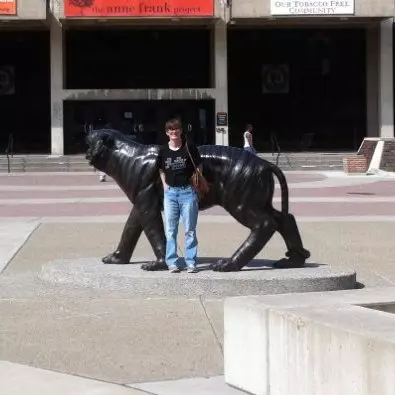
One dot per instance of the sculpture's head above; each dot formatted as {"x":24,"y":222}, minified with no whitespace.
{"x":101,"y":146}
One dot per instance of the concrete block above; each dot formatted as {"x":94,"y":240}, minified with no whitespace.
{"x":306,"y":344}
{"x":246,"y":347}
{"x":340,"y":349}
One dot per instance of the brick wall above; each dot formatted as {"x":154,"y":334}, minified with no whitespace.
{"x":355,"y":164}
{"x":367,"y":149}
{"x":388,"y":157}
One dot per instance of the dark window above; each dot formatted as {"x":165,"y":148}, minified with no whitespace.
{"x":138,"y":59}
{"x":316,"y":87}
{"x":25,"y":91}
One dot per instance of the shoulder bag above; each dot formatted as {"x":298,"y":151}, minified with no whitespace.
{"x":198,"y":181}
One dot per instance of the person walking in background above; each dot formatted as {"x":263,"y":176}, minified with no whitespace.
{"x":100,"y":123}
{"x":248,"y":144}
{"x":102,"y":176}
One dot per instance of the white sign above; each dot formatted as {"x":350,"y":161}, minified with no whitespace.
{"x":312,"y":7}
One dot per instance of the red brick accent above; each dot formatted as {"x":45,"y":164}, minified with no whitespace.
{"x":367,"y":149}
{"x":388,"y":157}
{"x":355,"y":164}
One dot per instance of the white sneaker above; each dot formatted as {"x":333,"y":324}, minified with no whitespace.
{"x":192,"y":270}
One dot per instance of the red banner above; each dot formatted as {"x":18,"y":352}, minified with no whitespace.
{"x":138,"y":8}
{"x":7,"y":7}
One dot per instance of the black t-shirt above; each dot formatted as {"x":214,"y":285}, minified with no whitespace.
{"x":177,"y":165}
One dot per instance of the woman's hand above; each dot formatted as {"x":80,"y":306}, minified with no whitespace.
{"x":162,"y":177}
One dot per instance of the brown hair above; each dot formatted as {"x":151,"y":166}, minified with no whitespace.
{"x":249,"y":127}
{"x":172,"y":124}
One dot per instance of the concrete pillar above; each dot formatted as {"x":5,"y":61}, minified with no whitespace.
{"x":221,"y":79}
{"x":386,"y":88}
{"x":372,"y":81}
{"x":57,"y":146}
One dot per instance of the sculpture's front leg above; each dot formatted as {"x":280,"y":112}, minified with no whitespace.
{"x":130,"y":236}
{"x":154,"y":230}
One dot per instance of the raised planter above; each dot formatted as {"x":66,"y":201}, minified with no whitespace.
{"x":355,"y":164}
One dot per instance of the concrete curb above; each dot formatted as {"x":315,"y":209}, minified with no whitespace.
{"x":19,"y":379}
{"x":12,"y":239}
{"x":260,"y":279}
{"x":192,"y":386}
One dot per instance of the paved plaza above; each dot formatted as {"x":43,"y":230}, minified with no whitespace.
{"x":158,"y":345}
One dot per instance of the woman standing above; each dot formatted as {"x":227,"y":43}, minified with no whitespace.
{"x":180,"y":199}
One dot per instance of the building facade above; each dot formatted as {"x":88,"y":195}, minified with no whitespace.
{"x":312,"y":74}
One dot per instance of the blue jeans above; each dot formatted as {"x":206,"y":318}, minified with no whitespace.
{"x":250,"y":149}
{"x":181,"y":201}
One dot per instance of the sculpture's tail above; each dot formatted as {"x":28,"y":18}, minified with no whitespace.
{"x":284,"y":188}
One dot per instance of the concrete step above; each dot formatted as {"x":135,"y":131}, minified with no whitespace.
{"x":305,"y":161}
{"x":68,"y":163}
{"x":13,"y":169}
{"x":308,"y":162}
{"x":48,"y":162}
{"x":56,"y":165}
{"x":65,"y":169}
{"x":5,"y":161}
{"x":306,"y":158}
{"x":322,"y":168}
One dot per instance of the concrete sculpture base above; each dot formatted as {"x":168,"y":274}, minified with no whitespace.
{"x":257,"y":279}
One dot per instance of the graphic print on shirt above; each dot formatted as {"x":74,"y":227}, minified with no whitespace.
{"x":177,"y":164}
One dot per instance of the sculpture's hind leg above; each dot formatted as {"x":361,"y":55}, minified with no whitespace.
{"x":296,"y":254}
{"x":130,"y":236}
{"x":256,"y":240}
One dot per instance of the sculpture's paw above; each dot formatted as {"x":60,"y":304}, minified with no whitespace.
{"x":154,"y":266}
{"x":287,"y":263}
{"x":224,"y":265}
{"x":298,"y":255}
{"x":114,"y":259}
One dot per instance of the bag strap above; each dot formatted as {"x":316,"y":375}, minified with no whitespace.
{"x":190,"y":156}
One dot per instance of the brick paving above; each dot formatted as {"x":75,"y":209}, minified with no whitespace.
{"x":360,"y":198}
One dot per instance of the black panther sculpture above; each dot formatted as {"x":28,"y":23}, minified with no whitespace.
{"x":242,"y":183}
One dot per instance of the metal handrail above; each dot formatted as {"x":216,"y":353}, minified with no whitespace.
{"x":276,"y":147}
{"x":10,"y":151}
